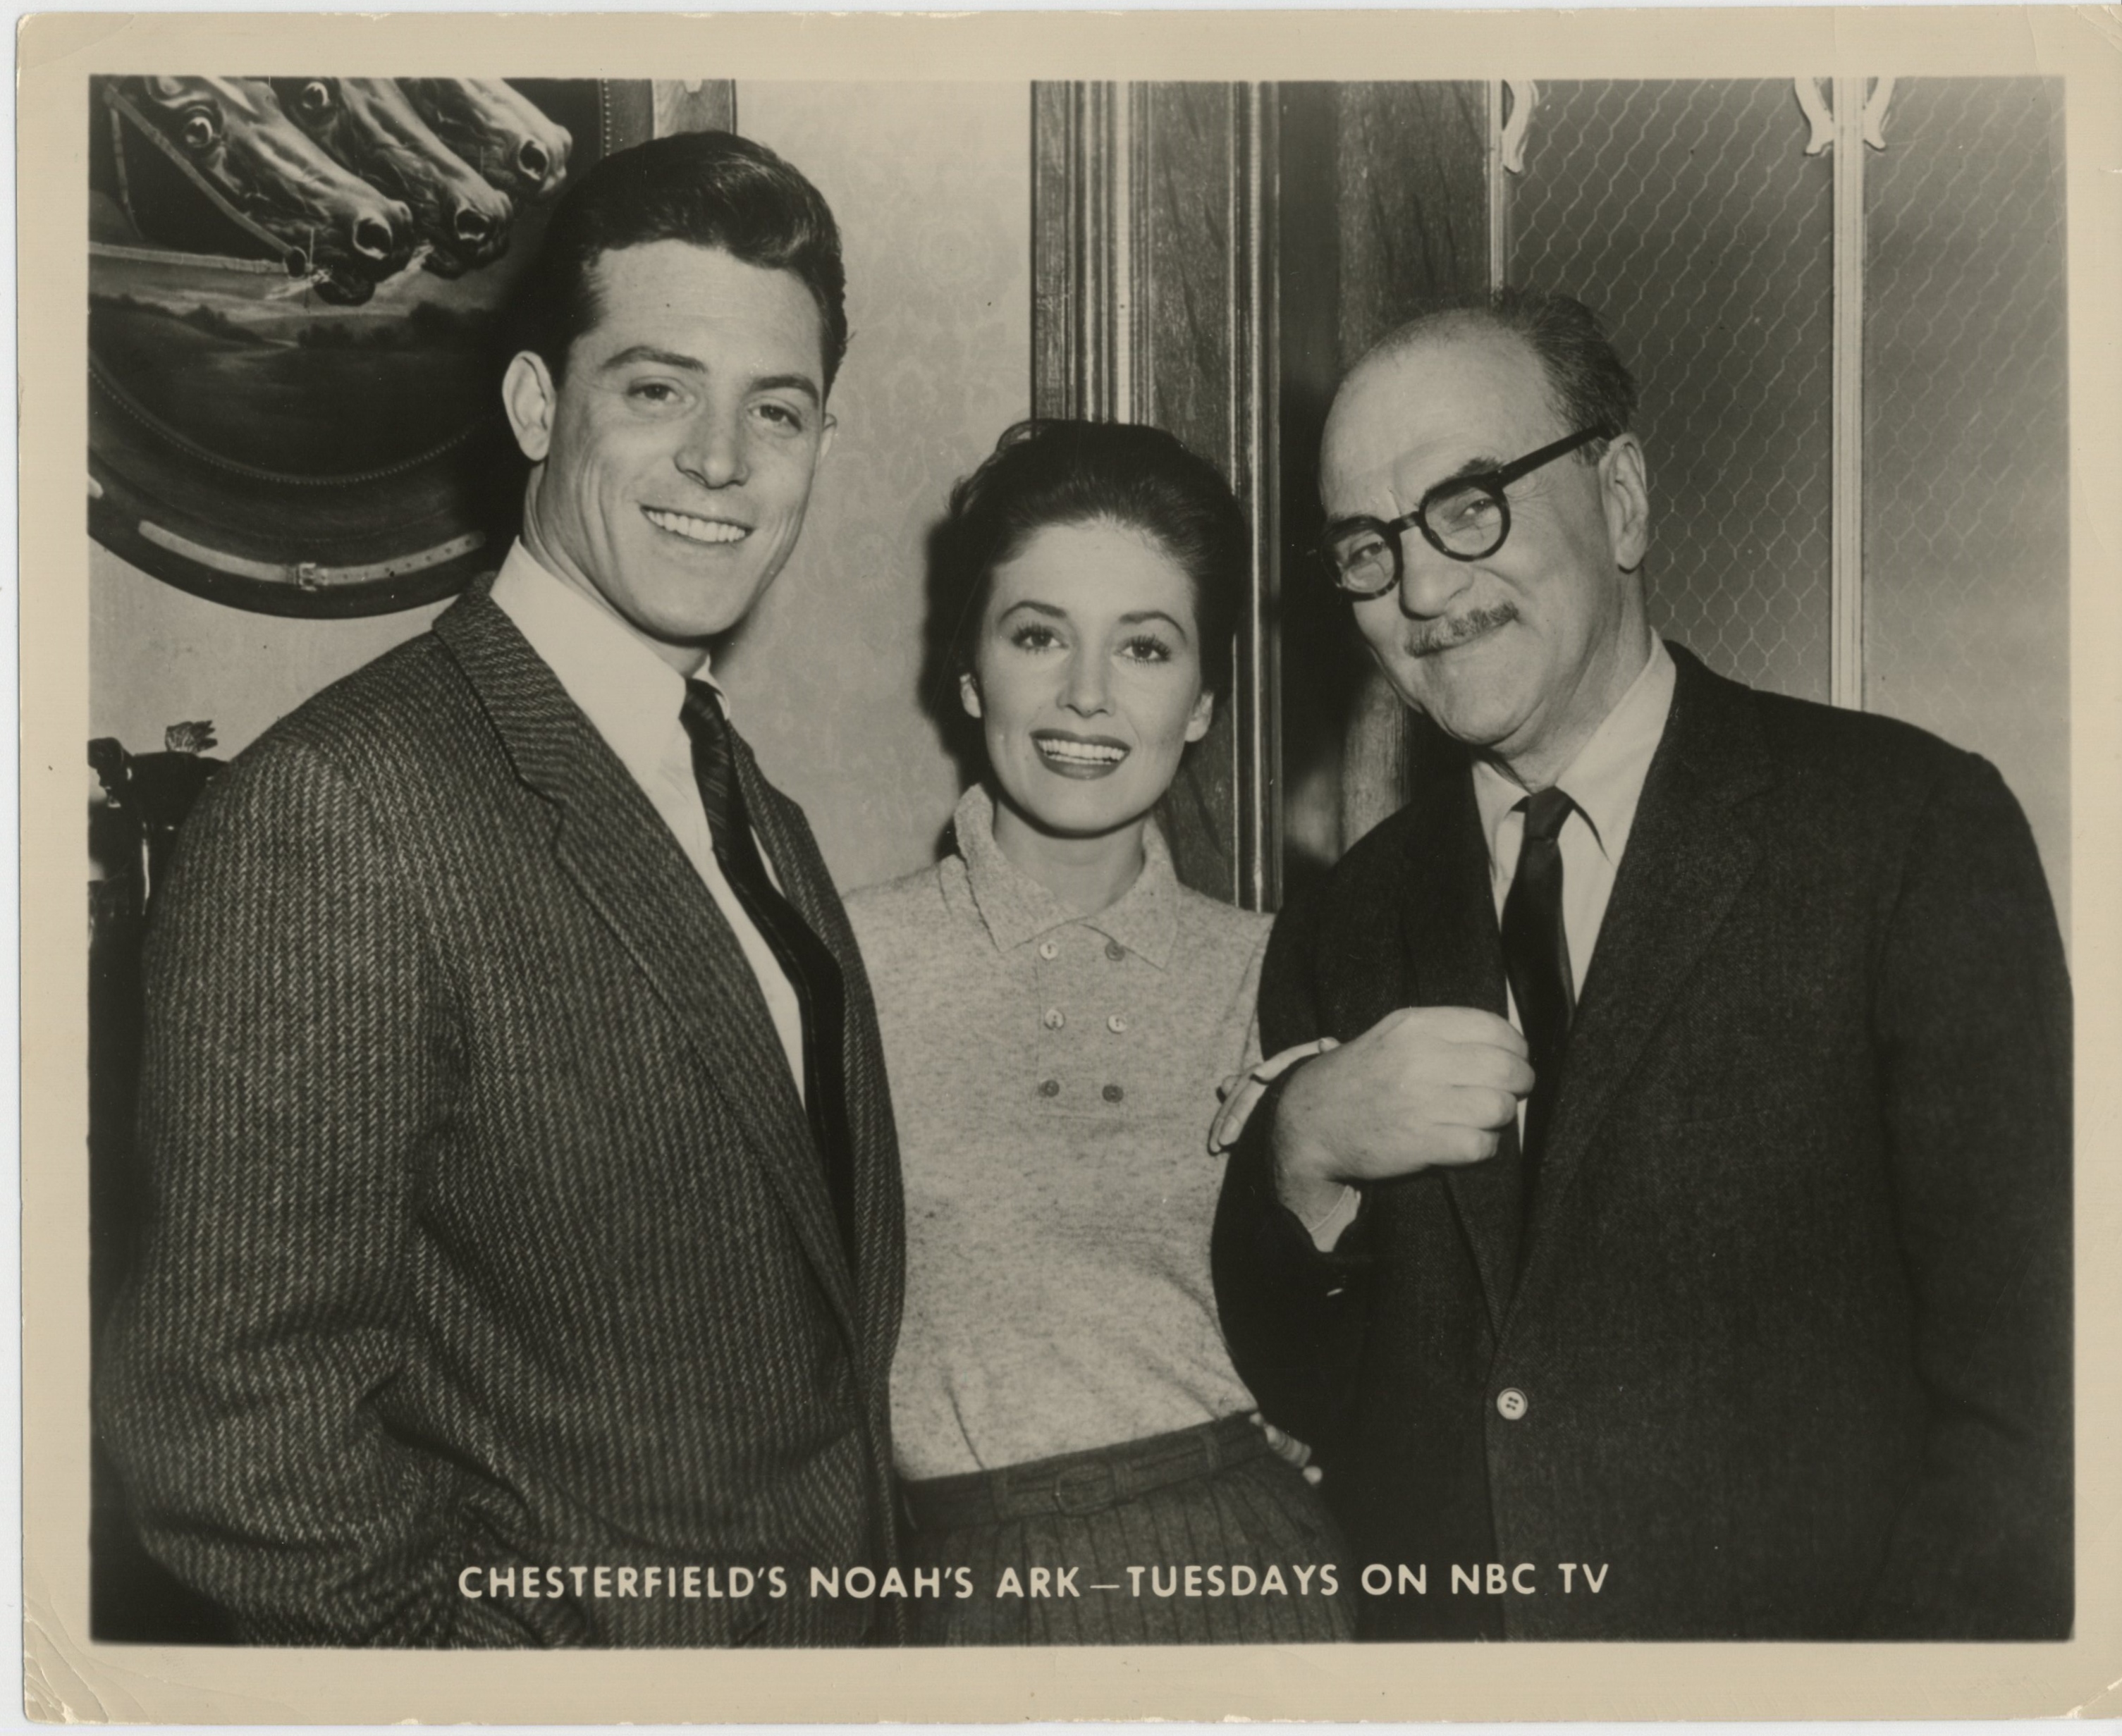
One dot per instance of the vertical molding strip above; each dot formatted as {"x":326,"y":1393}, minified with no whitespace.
{"x":1053,"y":246}
{"x":1499,"y":194}
{"x":1846,"y":572}
{"x":1507,"y":150}
{"x":1089,"y":258}
{"x":1094,"y":250}
{"x":1255,"y":469}
{"x":1126,"y":201}
{"x":1098,"y":304}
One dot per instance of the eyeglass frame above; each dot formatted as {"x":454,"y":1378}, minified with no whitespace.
{"x":1490,"y":482}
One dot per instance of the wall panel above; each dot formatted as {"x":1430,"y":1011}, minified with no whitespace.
{"x":931,"y":184}
{"x":1151,"y":243}
{"x":1966,"y":447}
{"x":1384,"y":207}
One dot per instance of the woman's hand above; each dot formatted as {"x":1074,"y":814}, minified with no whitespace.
{"x":1288,"y":1449}
{"x":1241,"y":1093}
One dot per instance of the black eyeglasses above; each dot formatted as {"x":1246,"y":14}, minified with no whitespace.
{"x":1463,"y":517}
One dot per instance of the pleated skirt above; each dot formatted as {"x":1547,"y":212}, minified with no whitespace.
{"x":1201,"y":1536}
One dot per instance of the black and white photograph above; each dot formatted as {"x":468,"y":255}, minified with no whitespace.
{"x":889,"y":854}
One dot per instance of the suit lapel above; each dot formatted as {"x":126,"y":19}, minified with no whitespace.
{"x":879,"y":1205}
{"x":1694,"y":844}
{"x":1454,"y":957}
{"x":615,"y":847}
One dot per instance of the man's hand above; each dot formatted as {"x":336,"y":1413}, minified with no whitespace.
{"x":1424,"y":1086}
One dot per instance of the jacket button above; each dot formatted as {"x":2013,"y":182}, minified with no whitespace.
{"x":1050,"y":1088}
{"x":1115,"y":951}
{"x":1049,"y":950}
{"x":1113,"y":1094}
{"x":1116,"y":1024}
{"x":1511,"y":1404}
{"x":1054,"y":1018}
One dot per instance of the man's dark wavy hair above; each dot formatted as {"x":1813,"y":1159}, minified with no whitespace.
{"x":1043,"y":473}
{"x":712,"y":190}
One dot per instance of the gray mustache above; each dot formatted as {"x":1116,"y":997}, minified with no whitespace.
{"x":1459,"y":629}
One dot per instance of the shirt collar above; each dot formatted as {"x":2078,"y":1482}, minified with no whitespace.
{"x":1017,"y":908}
{"x":1605,"y":780}
{"x":630,"y":695}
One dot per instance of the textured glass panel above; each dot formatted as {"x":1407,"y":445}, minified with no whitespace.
{"x":1966,"y":541}
{"x":1688,"y":216}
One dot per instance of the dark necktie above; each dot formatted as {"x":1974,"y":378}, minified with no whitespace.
{"x":1537,"y":957}
{"x":805,"y":959}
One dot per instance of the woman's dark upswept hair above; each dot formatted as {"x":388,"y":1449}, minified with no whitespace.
{"x":1044,"y":473}
{"x":712,"y":190}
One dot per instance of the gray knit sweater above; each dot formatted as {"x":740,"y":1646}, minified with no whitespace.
{"x":1054,"y":1078}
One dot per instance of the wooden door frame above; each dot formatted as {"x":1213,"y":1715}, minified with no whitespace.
{"x":1153,"y":300}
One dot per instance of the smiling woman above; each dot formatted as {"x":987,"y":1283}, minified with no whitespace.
{"x":1087,"y":680}
{"x":1057,"y":1012}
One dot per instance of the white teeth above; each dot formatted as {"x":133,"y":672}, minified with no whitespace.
{"x":1084,"y":752}
{"x":699,"y":530}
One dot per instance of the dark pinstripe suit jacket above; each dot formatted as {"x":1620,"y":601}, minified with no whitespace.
{"x":488,"y":1229}
{"x":1792,"y":1314}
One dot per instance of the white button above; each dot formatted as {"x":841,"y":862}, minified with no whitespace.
{"x":1510,"y":1404}
{"x":1049,"y":950}
{"x":1054,"y":1018}
{"x":1116,"y":1024}
{"x":1115,"y":951}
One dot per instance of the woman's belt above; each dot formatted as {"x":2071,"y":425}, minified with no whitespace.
{"x":1072,"y":1484}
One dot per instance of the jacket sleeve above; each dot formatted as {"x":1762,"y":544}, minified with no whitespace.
{"x":1973,"y":1026}
{"x":1292,"y":1317}
{"x":296,"y":1053}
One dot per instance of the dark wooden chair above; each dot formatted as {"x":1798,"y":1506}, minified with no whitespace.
{"x":132,"y":831}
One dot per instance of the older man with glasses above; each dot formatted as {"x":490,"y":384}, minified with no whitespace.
{"x":1671,"y":1236}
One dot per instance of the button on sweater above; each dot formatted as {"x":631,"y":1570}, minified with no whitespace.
{"x":1054,"y":1078}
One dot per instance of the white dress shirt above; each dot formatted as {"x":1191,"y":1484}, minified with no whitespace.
{"x":634,"y":700}
{"x":1606,"y":781}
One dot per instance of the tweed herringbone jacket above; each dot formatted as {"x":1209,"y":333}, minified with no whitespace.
{"x":1783,"y":1349}
{"x":488,"y":1231}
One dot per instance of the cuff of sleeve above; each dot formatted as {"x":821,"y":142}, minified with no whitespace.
{"x":1325,"y":1229}
{"x":1331,"y":1253}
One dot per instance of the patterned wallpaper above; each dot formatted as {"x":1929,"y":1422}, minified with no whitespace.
{"x":158,"y":656}
{"x":932,"y":185}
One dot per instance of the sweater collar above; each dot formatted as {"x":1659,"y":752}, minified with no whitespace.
{"x":1017,"y":908}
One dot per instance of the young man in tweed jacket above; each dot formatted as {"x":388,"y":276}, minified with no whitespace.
{"x":526,"y":1253}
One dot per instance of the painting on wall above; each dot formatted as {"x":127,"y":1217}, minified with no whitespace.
{"x":293,"y":291}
